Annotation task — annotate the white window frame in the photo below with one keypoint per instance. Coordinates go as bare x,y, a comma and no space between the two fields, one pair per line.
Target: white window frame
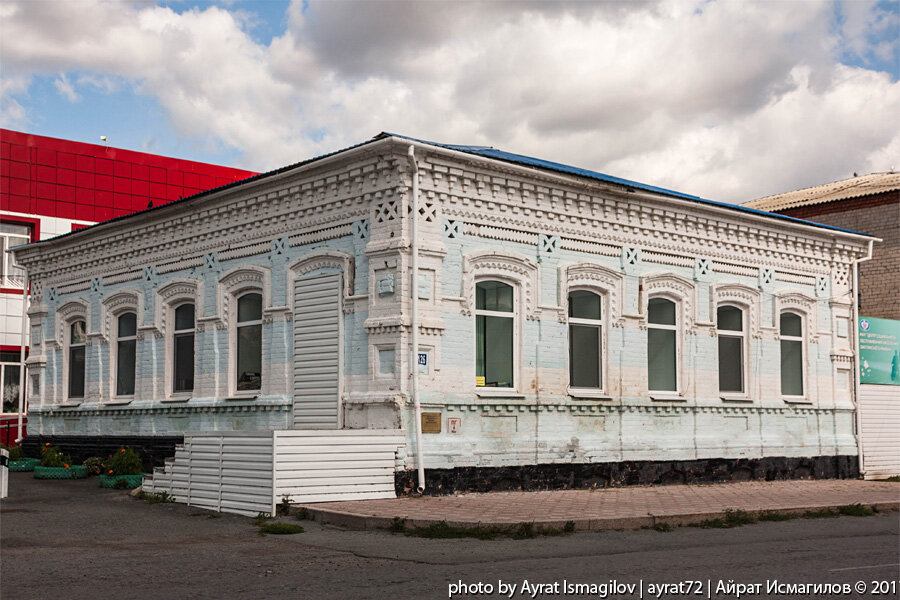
677,393
114,356
601,324
804,358
233,342
515,315
745,350
170,350
7,264
75,309
68,361
3,367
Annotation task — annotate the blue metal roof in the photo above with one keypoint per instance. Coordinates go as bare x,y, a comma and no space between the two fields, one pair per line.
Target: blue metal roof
520,159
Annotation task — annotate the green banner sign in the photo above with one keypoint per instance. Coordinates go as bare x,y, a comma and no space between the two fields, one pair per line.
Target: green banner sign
879,351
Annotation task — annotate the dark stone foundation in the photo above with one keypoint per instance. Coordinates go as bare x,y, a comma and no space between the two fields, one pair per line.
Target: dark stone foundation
602,475
153,450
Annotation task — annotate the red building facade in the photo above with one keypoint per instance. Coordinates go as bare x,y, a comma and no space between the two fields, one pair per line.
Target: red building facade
50,186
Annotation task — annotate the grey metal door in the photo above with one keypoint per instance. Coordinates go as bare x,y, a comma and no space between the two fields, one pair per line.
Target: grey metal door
317,351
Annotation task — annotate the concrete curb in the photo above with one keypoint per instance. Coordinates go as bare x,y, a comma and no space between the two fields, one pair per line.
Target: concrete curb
349,520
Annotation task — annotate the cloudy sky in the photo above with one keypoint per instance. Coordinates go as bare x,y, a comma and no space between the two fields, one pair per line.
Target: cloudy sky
729,100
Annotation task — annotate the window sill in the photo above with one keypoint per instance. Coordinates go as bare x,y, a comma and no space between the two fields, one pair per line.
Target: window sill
69,404
176,399
252,396
664,397
796,400
498,393
589,394
118,402
735,398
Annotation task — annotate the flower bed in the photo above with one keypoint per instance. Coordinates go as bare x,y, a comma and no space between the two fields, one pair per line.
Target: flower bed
71,472
128,482
24,464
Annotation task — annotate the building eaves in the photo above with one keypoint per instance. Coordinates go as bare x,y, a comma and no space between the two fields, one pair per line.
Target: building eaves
845,189
520,159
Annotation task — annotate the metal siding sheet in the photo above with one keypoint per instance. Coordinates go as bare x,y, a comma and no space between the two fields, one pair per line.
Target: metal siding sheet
879,411
316,386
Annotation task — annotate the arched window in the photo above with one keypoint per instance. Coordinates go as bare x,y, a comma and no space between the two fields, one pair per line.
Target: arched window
662,344
494,334
585,339
126,346
249,342
791,329
77,342
730,332
183,349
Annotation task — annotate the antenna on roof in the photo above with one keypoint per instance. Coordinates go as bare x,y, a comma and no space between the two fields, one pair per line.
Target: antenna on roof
104,139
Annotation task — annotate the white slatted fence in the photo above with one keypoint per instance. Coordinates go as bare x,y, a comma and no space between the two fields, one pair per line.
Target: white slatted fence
250,472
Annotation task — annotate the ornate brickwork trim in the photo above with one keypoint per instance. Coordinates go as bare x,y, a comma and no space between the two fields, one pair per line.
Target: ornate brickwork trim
176,292
514,268
743,296
323,259
116,304
674,287
75,309
606,282
801,304
241,280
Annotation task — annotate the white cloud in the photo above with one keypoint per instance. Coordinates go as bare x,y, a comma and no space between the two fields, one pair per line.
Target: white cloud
724,99
65,88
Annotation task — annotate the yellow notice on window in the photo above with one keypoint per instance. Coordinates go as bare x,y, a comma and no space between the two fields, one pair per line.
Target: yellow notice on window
479,381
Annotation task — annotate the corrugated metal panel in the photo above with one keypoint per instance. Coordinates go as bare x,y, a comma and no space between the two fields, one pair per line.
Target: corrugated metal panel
317,357
335,465
879,417
222,471
247,472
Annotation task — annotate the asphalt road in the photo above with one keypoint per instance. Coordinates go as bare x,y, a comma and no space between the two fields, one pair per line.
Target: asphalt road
68,540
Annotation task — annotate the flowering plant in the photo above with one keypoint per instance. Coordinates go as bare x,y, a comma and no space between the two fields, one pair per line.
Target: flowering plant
52,457
124,462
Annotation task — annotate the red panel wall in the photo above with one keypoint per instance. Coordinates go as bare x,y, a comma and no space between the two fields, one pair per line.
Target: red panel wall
73,180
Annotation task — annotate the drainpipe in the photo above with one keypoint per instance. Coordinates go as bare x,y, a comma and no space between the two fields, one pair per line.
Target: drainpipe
856,365
414,318
25,297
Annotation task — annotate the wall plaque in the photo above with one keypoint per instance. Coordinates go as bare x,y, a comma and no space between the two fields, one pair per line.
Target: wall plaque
431,422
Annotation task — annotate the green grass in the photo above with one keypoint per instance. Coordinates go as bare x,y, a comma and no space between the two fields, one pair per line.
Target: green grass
662,527
733,518
280,528
443,530
894,479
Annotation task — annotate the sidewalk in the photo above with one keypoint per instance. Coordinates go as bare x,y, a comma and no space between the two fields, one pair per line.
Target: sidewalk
611,508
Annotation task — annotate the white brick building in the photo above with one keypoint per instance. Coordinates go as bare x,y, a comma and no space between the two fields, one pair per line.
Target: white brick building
587,329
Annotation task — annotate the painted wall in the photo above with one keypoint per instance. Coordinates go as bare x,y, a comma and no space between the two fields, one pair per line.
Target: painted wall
542,233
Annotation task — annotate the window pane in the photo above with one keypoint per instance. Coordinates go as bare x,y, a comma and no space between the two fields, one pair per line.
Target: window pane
584,305
77,333
584,356
494,350
791,368
791,324
184,362
10,388
661,359
76,372
731,368
250,308
125,361
729,318
494,295
128,325
184,317
661,311
249,357
20,230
